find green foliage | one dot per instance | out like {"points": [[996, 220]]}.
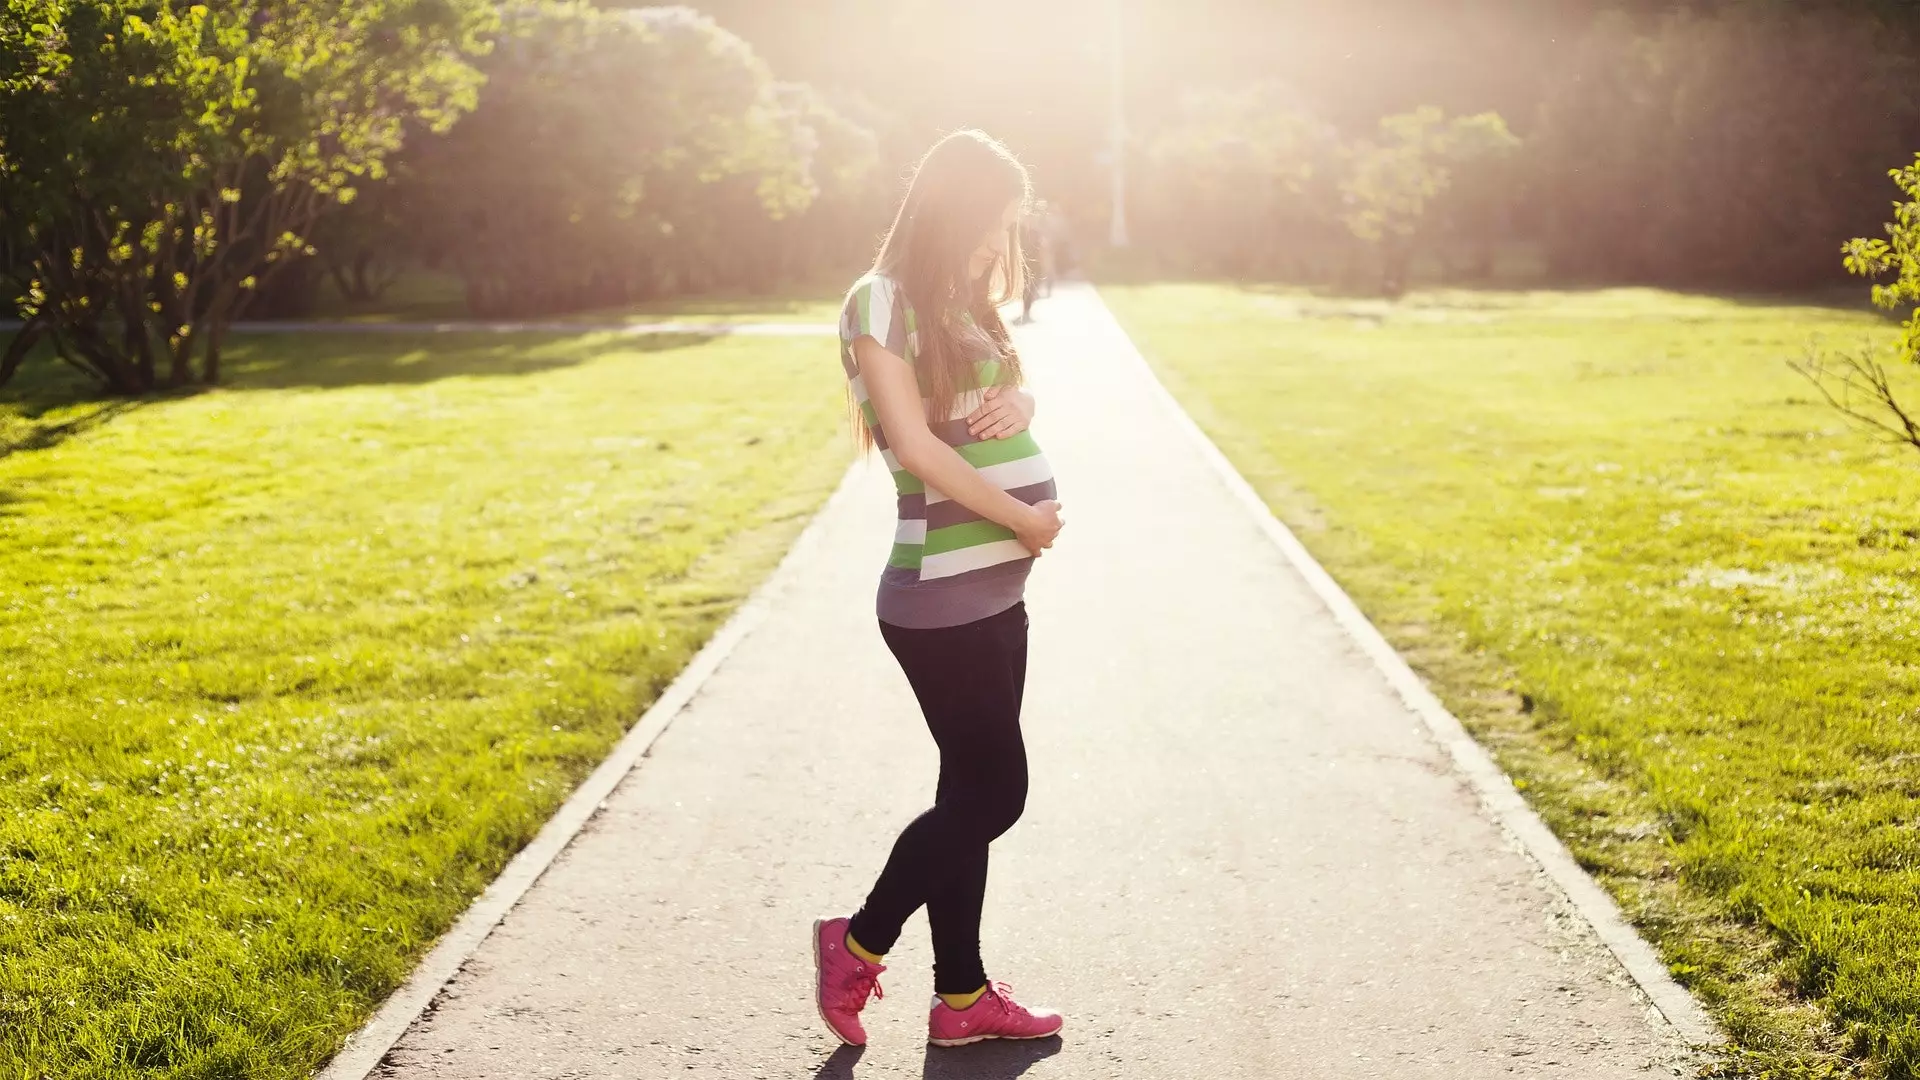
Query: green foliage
{"points": [[162, 158], [620, 155], [1856, 383], [1251, 181], [1392, 179], [1731, 143], [363, 246], [852, 197], [1240, 181], [1721, 146], [1898, 254], [31, 47], [1727, 144]]}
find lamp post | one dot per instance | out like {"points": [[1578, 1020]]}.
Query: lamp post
{"points": [[1117, 131]]}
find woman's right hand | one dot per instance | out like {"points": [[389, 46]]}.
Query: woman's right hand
{"points": [[1040, 526]]}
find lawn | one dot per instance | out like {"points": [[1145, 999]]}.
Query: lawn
{"points": [[293, 667], [420, 295], [1678, 599]]}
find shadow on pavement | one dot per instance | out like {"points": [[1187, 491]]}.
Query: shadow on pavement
{"points": [[839, 1064], [992, 1060]]}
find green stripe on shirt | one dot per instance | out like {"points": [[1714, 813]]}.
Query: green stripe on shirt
{"points": [[955, 551], [972, 534], [999, 451], [905, 483]]}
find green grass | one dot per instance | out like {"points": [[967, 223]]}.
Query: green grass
{"points": [[1677, 599], [293, 667], [424, 295]]}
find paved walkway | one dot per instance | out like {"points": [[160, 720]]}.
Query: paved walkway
{"points": [[1242, 857]]}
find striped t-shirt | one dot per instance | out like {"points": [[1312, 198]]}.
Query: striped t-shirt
{"points": [[949, 566]]}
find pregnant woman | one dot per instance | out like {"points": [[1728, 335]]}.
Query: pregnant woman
{"points": [[937, 382]]}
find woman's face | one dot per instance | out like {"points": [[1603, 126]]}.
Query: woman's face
{"points": [[993, 246]]}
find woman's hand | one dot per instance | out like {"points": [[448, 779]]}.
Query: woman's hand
{"points": [[1040, 527], [1004, 413], [896, 398]]}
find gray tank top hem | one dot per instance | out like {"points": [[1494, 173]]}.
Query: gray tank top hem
{"points": [[940, 604]]}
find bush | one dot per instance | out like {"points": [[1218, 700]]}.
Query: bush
{"points": [[1242, 182], [1726, 148], [159, 162], [622, 155], [1393, 178], [1251, 183]]}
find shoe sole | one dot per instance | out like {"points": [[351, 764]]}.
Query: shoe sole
{"points": [[971, 1039], [817, 1005]]}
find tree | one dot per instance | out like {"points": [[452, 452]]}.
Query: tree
{"points": [[161, 159], [619, 155], [1391, 180], [852, 200], [1241, 181], [365, 245], [1722, 145], [1857, 383]]}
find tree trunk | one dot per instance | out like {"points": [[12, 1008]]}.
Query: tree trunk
{"points": [[1396, 255], [213, 324], [384, 280], [352, 277], [210, 367], [23, 341], [135, 339], [82, 346], [1482, 250], [214, 328], [341, 283], [476, 295]]}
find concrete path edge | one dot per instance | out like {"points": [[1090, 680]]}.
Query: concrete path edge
{"points": [[360, 1057], [1470, 760]]}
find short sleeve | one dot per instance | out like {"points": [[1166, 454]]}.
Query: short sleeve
{"points": [[875, 308]]}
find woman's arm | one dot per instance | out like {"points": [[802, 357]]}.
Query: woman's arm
{"points": [[896, 399]]}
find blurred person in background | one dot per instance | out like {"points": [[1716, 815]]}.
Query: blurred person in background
{"points": [[1036, 243]]}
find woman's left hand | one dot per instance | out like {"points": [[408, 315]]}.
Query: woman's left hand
{"points": [[1004, 413]]}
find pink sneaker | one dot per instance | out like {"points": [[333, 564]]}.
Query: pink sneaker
{"points": [[995, 1016], [842, 981]]}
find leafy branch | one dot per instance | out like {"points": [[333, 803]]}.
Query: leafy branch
{"points": [[1857, 384], [161, 161]]}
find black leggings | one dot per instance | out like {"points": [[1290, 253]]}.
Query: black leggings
{"points": [[969, 680]]}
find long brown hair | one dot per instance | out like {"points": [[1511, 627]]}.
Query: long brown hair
{"points": [[957, 194]]}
